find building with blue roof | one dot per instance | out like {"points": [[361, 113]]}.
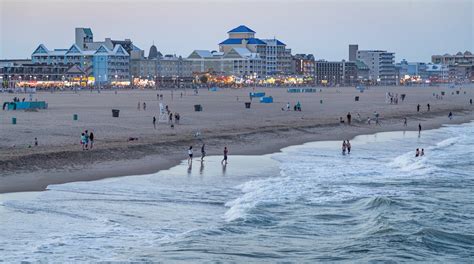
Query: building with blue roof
{"points": [[276, 57]]}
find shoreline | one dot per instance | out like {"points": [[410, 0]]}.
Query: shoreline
{"points": [[150, 157]]}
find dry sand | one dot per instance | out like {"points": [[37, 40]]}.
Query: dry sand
{"points": [[224, 121]]}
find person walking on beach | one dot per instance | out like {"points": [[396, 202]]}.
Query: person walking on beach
{"points": [[348, 145], [450, 115], [203, 151], [418, 108], [144, 106], [405, 122], [419, 128], [349, 118], [344, 146], [470, 101], [171, 118], [429, 107], [86, 134], [190, 155], [154, 122], [138, 107], [83, 141], [36, 142], [91, 139], [224, 161]]}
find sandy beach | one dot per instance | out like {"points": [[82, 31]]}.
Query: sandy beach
{"points": [[224, 121]]}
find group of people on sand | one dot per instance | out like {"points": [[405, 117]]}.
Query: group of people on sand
{"points": [[87, 140], [296, 107], [346, 146], [203, 154], [393, 98], [144, 106], [419, 153]]}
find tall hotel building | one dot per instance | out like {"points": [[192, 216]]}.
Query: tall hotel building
{"points": [[243, 54]]}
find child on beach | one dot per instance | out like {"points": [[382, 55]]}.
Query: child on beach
{"points": [[190, 154], [83, 141]]}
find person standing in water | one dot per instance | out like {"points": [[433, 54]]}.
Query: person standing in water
{"points": [[419, 128], [417, 153], [344, 146], [203, 151], [348, 145], [405, 122], [422, 152], [224, 161], [190, 154]]}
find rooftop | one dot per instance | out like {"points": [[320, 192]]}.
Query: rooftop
{"points": [[241, 29]]}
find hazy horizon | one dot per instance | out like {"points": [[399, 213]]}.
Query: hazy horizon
{"points": [[414, 30]]}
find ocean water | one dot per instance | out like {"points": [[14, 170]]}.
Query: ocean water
{"points": [[306, 204]]}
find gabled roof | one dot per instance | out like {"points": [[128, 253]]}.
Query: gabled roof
{"points": [[241, 29], [240, 53], [75, 69], [41, 49], [200, 54], [279, 43], [120, 50], [102, 49], [74, 49]]}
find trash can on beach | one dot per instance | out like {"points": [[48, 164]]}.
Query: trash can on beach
{"points": [[115, 112], [247, 105], [14, 120], [197, 108]]}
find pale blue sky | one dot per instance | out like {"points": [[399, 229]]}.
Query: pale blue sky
{"points": [[413, 29]]}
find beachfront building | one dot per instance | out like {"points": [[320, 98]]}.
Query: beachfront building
{"points": [[466, 58], [41, 75], [411, 72], [84, 39], [380, 62], [273, 53], [168, 70], [363, 72], [303, 65], [332, 73], [437, 73], [235, 61], [101, 66]]}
